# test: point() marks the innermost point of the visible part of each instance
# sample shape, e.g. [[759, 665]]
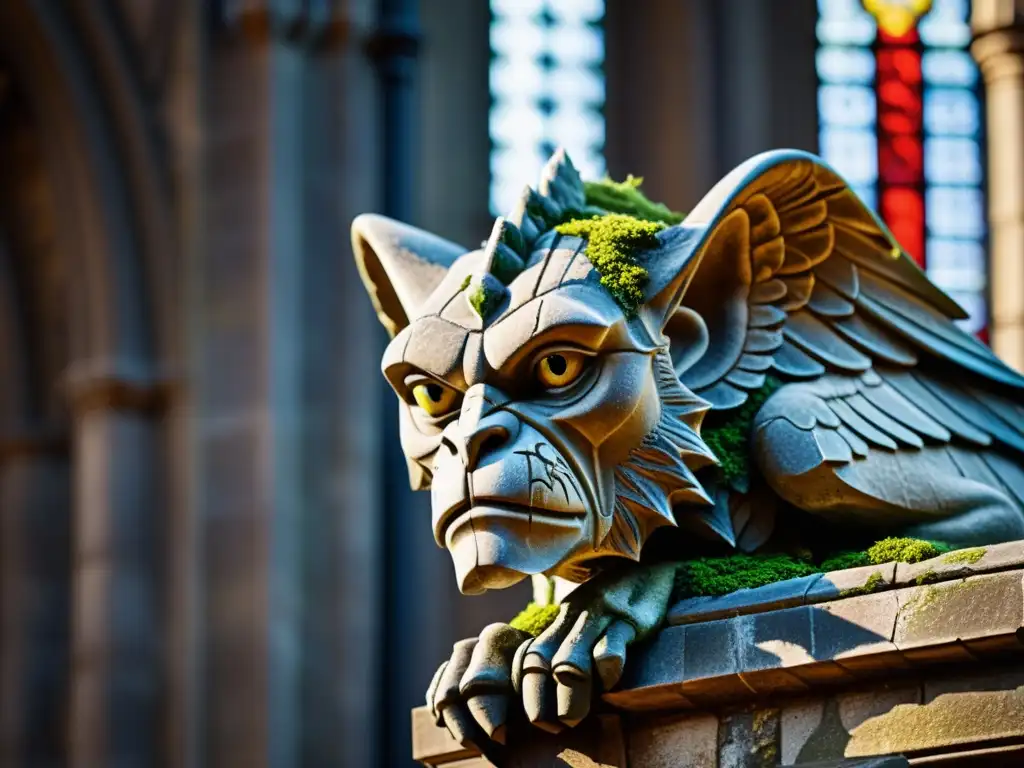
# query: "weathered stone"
[[981, 606], [856, 632], [749, 739], [962, 563], [1007, 678], [781, 594], [690, 742], [798, 721], [962, 719], [770, 644], [851, 582]]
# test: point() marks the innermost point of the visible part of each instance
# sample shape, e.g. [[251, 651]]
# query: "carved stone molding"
[[1000, 53], [119, 385], [301, 22]]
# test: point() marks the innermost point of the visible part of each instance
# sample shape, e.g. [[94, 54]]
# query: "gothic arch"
[[90, 412]]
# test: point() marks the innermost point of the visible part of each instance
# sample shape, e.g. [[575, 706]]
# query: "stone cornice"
[[105, 384], [301, 22], [33, 444]]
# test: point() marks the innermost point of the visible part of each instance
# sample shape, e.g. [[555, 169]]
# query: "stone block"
[[856, 632], [982, 606], [818, 730], [961, 564], [771, 597], [690, 742], [749, 739], [1006, 678], [851, 582], [770, 644], [956, 719]]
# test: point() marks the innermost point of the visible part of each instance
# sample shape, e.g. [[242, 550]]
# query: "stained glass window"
[[900, 119], [547, 90]]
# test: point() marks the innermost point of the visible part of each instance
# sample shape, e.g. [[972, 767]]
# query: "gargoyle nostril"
[[482, 443]]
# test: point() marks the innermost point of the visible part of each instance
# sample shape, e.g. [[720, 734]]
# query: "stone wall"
[[922, 666]]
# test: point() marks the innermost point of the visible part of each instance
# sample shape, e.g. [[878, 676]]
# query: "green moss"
[[626, 197], [965, 556], [483, 300], [722, 575], [612, 242], [729, 439], [465, 282], [905, 550], [869, 586], [925, 578], [844, 560], [535, 618]]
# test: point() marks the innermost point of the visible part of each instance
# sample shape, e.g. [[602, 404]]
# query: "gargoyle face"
[[547, 420]]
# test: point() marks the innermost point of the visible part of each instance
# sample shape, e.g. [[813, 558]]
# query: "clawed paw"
[[473, 694]]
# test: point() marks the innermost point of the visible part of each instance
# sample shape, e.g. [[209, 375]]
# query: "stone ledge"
[[932, 670], [824, 587]]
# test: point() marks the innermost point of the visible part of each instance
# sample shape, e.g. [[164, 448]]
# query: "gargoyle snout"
[[482, 430]]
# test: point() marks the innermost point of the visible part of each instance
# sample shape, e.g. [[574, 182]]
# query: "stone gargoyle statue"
[[605, 389]]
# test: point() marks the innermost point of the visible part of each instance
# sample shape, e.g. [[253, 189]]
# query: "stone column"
[[118, 508], [34, 606], [999, 50], [285, 365]]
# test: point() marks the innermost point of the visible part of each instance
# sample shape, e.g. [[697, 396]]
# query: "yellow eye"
[[434, 398], [559, 369]]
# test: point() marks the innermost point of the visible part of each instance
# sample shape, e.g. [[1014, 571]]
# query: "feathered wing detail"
[[795, 275], [891, 415]]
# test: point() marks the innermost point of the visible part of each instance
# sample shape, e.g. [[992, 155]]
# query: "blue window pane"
[[952, 161], [547, 90], [845, 65], [956, 264], [951, 111], [955, 212], [949, 68], [847, 105], [947, 24], [854, 154], [844, 22]]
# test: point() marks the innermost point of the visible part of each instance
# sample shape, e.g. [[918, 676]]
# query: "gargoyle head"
[[538, 393]]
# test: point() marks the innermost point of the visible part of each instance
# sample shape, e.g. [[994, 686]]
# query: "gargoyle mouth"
[[455, 517]]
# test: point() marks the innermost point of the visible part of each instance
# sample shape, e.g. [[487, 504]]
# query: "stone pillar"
[[34, 606], [999, 50], [118, 508], [283, 344]]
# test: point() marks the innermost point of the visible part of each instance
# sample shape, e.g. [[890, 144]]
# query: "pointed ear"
[[670, 267], [401, 266]]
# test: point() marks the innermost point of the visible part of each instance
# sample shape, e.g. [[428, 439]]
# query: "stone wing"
[[796, 277]]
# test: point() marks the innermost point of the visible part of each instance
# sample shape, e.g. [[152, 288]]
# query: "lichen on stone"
[[964, 556], [729, 439], [626, 197], [535, 618], [612, 243], [870, 585]]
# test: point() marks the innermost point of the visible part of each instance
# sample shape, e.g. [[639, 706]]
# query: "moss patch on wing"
[[612, 243], [626, 197], [535, 618], [729, 438]]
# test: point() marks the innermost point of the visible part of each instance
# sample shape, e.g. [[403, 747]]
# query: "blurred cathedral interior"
[[209, 552]]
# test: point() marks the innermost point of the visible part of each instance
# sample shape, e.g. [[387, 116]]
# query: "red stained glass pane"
[[903, 210], [900, 160], [907, 38]]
